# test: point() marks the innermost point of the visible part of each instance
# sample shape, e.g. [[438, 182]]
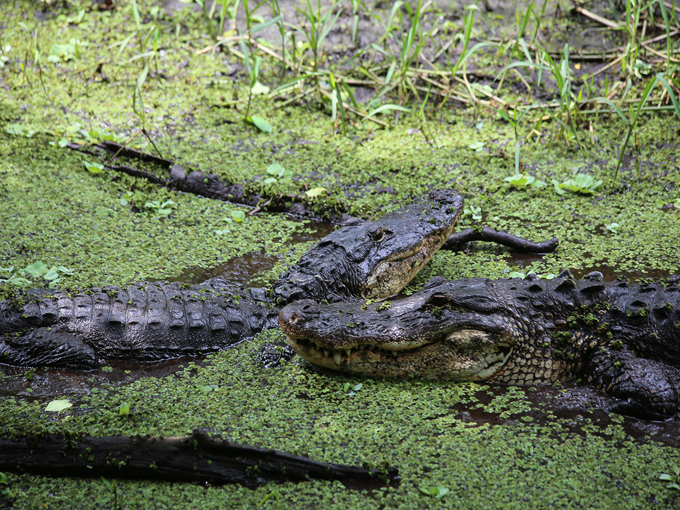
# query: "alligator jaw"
[[471, 355], [394, 273]]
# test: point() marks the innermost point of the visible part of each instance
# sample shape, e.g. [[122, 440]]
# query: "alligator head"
[[456, 330], [376, 259]]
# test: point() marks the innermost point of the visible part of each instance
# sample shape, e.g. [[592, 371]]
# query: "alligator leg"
[[47, 347], [648, 389]]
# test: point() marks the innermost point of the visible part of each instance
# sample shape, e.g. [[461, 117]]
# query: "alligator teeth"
[[337, 357], [349, 352], [326, 353], [361, 347], [395, 354]]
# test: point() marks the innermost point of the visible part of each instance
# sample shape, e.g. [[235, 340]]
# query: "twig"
[[595, 17], [457, 240], [659, 54]]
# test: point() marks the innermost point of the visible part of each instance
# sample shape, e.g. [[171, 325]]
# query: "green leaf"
[[261, 124], [259, 89], [238, 216], [52, 274], [665, 477], [437, 492], [385, 108], [673, 486], [124, 409], [58, 405], [358, 387], [315, 192], [269, 180], [14, 129], [477, 146], [276, 170], [36, 269], [210, 387], [93, 168], [3, 478]]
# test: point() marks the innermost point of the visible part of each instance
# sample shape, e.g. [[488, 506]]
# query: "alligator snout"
[[291, 314]]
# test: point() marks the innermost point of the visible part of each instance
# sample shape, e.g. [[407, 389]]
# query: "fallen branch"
[[195, 458], [459, 239]]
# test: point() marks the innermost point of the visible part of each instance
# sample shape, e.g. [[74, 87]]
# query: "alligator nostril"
[[305, 308]]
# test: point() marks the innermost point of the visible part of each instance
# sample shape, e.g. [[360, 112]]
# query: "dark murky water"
[[243, 269], [610, 273], [50, 384]]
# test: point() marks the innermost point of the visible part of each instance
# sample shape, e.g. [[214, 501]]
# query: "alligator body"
[[150, 321], [623, 338]]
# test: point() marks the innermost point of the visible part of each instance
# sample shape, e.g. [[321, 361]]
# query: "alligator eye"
[[378, 234]]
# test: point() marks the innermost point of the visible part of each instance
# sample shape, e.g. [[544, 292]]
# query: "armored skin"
[[622, 338], [150, 321]]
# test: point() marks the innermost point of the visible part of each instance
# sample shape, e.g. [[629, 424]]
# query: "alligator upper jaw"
[[463, 354]]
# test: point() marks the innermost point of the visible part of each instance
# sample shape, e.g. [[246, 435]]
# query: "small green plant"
[[66, 52], [519, 274], [435, 492], [385, 305], [477, 146], [58, 405], [4, 50], [160, 208], [613, 228], [124, 409], [352, 390], [672, 479], [524, 181], [277, 173], [319, 25], [18, 130], [315, 192], [238, 216], [474, 211], [112, 486], [94, 168], [5, 492], [37, 270], [253, 68], [582, 184]]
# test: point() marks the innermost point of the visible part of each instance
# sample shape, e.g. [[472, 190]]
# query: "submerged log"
[[195, 458]]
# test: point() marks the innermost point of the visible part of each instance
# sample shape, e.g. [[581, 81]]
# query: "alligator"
[[151, 320], [622, 338]]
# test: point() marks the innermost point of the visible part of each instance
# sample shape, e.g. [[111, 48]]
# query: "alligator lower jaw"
[[335, 360], [458, 356]]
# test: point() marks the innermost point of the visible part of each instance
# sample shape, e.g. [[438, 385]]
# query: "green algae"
[[304, 411], [55, 211]]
